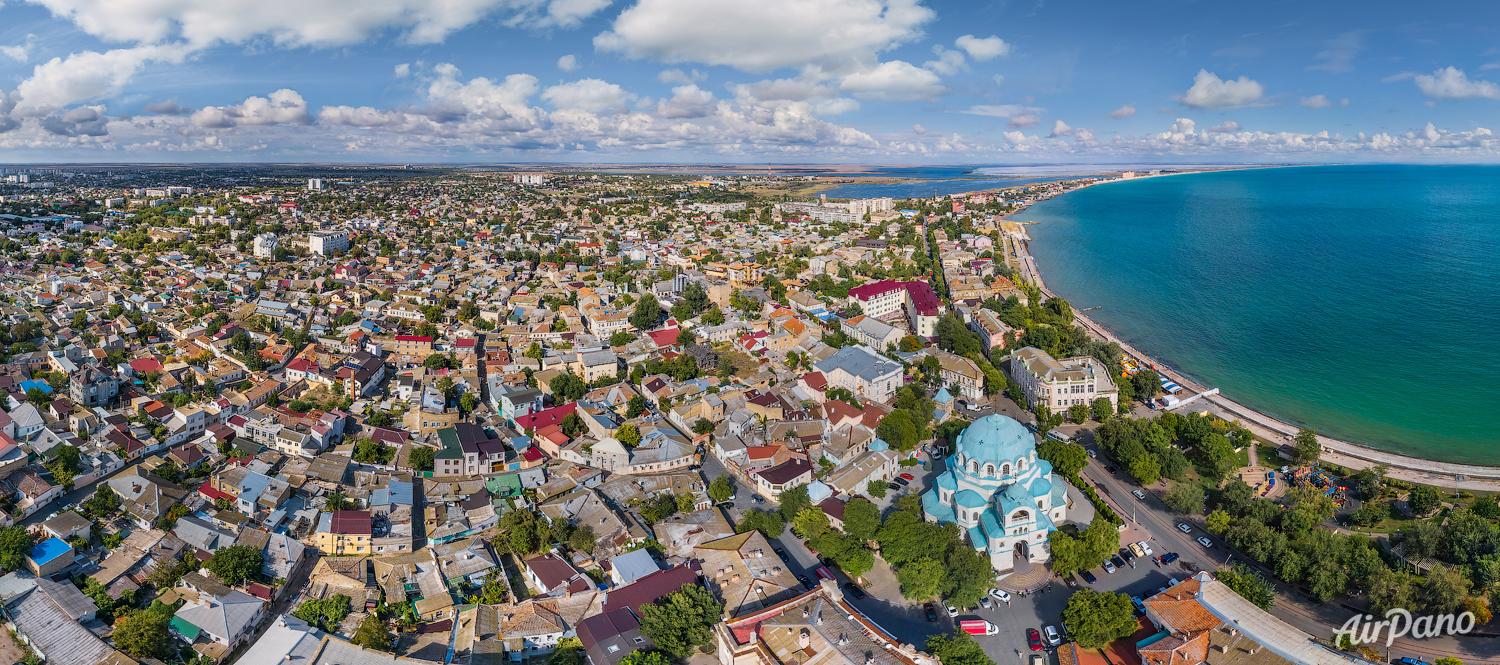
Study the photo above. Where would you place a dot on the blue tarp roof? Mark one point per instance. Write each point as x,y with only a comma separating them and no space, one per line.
49,549
36,383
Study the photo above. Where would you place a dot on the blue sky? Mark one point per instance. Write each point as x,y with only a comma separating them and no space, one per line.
868,81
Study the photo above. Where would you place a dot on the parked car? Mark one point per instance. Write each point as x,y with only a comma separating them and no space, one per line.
854,590
908,476
1071,582
1109,468
1408,660
1109,567
779,552
1000,595
1135,548
1034,638
1205,542
1184,528
756,498
1053,639
1140,607
1088,577
1093,454
901,481
1145,548
986,603
1139,494
952,611
1037,659
1169,557
930,611
1126,554
806,581
1119,563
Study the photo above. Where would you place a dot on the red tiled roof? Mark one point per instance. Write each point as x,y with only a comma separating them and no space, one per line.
350,522
552,416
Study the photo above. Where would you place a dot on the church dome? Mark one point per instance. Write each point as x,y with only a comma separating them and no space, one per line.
995,438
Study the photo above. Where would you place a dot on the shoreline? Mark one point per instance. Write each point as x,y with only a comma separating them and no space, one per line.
1350,455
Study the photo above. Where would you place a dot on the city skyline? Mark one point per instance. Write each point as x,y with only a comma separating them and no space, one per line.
782,81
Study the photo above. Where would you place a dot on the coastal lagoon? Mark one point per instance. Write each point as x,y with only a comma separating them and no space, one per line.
1363,301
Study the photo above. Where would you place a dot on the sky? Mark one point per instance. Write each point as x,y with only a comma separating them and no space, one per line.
748,81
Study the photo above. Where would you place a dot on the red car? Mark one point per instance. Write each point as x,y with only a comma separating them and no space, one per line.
1034,638
908,476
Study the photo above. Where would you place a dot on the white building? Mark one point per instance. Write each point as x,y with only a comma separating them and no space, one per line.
529,178
863,372
1000,494
265,245
314,184
324,242
1061,383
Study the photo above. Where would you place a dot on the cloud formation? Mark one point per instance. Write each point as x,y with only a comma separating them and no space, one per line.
1316,102
1211,92
285,106
568,63
1452,83
988,48
1122,112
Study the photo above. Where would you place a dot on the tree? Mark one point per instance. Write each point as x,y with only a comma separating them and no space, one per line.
681,621
468,402
793,501
337,501
637,406
703,426
103,502
420,458
1423,500
876,488
810,523
1185,498
1078,413
372,634
1219,521
582,539
1145,469
1103,409
769,524
921,579
1095,619
15,546
957,649
1444,589
567,387
1250,585
1235,497
713,317
572,424
326,613
621,338
628,435
721,489
1066,458
646,658
899,429
143,634
647,312
1308,450
235,563
861,519
570,651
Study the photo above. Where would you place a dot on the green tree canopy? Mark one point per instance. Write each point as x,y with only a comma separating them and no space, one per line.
372,634
235,564
143,634
957,649
681,621
861,519
1095,619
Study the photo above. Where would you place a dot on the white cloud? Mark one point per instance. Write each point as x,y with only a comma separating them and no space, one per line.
1211,92
1023,121
1452,83
1400,76
988,48
687,101
678,76
285,106
294,23
1488,66
86,75
568,63
19,52
1316,102
765,35
363,116
402,70
1338,56
893,80
592,95
1082,135
919,129
1060,128
76,122
948,62
1122,112
1344,101
1002,110
1228,126
168,107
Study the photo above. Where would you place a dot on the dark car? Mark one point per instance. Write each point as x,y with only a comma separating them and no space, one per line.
827,562
1169,557
806,581
1117,561
931,611
854,590
1109,468
781,553
1088,577
903,482
1125,553
1071,581
1034,638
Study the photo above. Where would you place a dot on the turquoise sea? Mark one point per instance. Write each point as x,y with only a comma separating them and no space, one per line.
1363,301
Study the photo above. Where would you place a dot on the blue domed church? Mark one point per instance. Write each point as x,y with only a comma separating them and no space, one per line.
999,493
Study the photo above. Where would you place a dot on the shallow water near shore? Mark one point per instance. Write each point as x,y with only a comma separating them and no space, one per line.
1363,301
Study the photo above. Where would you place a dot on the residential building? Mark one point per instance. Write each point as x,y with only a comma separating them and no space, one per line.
324,243
344,532
959,371
1061,384
862,371
914,304
818,627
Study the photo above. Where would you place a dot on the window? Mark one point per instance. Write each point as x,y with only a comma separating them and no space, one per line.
640,640
1005,469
